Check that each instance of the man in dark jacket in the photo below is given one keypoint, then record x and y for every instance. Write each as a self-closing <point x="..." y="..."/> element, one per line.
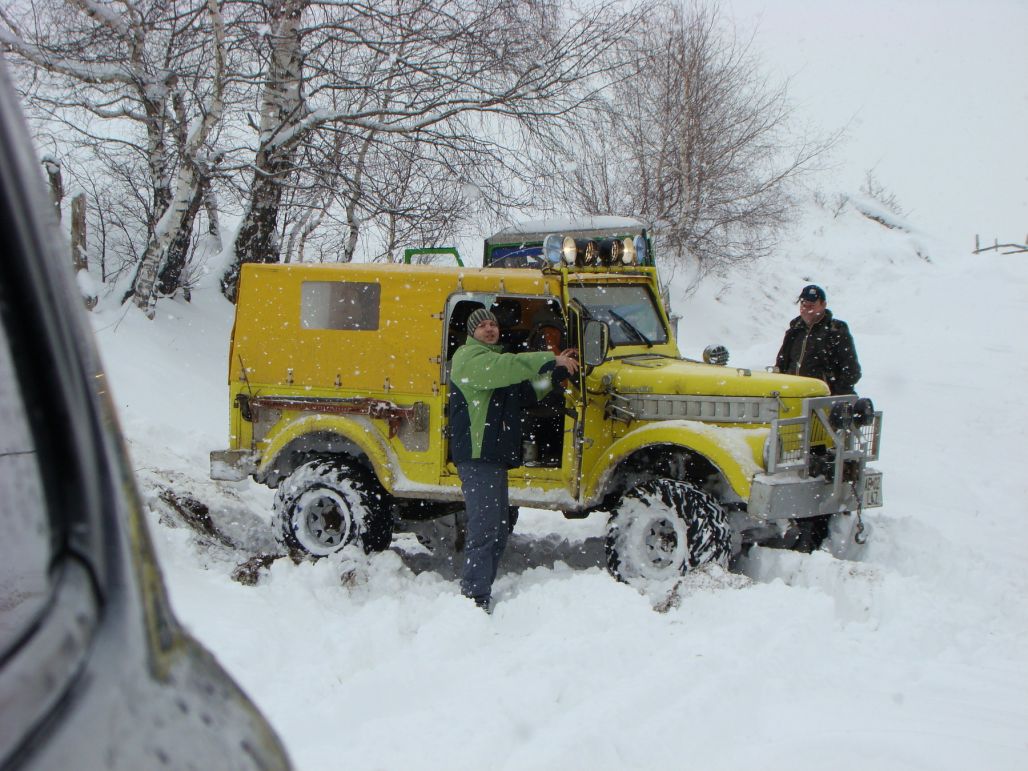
<point x="818" y="345"/>
<point x="488" y="389"/>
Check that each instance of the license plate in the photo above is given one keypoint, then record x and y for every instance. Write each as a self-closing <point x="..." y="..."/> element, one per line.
<point x="872" y="489"/>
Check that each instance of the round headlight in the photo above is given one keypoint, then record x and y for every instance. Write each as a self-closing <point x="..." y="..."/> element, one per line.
<point x="627" y="251"/>
<point x="591" y="253"/>
<point x="552" y="248"/>
<point x="841" y="416"/>
<point x="641" y="251"/>
<point x="863" y="412"/>
<point x="568" y="250"/>
<point x="610" y="251"/>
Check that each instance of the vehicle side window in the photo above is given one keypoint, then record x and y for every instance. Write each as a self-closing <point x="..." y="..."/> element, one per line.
<point x="346" y="305"/>
<point x="26" y="545"/>
<point x="457" y="331"/>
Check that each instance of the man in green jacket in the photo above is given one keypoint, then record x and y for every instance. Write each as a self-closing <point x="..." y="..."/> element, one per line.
<point x="488" y="389"/>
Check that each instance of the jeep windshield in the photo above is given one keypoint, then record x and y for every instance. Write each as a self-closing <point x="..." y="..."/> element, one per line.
<point x="629" y="311"/>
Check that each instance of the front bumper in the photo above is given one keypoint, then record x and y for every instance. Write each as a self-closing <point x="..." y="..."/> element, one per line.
<point x="790" y="496"/>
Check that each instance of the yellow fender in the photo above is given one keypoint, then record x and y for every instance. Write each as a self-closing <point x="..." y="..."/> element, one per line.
<point x="359" y="430"/>
<point x="735" y="452"/>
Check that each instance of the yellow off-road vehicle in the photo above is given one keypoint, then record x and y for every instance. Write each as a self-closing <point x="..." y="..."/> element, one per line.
<point x="339" y="377"/>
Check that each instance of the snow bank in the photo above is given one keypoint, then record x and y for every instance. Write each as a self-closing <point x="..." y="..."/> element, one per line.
<point x="913" y="658"/>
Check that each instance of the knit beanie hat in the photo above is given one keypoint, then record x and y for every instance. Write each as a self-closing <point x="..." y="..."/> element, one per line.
<point x="477" y="317"/>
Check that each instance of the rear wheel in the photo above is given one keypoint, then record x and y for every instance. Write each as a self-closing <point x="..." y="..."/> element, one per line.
<point x="664" y="528"/>
<point x="326" y="504"/>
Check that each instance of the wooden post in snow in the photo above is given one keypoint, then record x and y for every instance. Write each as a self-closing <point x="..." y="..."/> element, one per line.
<point x="79" y="256"/>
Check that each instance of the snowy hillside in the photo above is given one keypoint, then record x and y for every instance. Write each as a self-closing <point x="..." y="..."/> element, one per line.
<point x="914" y="658"/>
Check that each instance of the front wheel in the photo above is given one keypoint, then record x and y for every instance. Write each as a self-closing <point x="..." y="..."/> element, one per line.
<point x="664" y="528"/>
<point x="326" y="504"/>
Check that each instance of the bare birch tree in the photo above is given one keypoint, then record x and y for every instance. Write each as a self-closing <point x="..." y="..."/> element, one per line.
<point x="174" y="227"/>
<point x="375" y="125"/>
<point x="697" y="142"/>
<point x="409" y="74"/>
<point x="129" y="80"/>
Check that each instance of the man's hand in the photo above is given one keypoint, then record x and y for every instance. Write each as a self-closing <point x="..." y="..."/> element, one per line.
<point x="567" y="359"/>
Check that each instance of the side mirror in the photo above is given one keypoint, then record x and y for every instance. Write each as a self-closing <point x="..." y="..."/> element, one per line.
<point x="595" y="343"/>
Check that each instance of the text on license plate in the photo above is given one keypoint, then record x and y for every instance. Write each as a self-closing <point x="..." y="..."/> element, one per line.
<point x="872" y="489"/>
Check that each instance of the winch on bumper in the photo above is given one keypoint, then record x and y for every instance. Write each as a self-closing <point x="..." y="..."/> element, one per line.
<point x="817" y="463"/>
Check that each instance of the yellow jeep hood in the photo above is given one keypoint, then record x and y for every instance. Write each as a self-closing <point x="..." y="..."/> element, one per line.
<point x="645" y="374"/>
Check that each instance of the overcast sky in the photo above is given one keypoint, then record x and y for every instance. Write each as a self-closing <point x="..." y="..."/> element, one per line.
<point x="935" y="94"/>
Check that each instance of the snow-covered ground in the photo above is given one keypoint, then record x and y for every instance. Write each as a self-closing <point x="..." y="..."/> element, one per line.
<point x="913" y="658"/>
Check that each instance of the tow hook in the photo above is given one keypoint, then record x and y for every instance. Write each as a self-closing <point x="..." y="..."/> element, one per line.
<point x="858" y="532"/>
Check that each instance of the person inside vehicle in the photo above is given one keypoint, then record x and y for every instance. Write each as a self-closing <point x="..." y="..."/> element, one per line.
<point x="818" y="345"/>
<point x="489" y="390"/>
<point x="544" y="422"/>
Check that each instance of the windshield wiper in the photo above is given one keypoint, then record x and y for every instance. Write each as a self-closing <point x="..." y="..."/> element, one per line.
<point x="639" y="335"/>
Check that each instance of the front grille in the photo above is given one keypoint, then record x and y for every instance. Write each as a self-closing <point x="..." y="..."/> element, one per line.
<point x="709" y="409"/>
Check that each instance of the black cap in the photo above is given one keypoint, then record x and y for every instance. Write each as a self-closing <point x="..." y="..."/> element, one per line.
<point x="812" y="293"/>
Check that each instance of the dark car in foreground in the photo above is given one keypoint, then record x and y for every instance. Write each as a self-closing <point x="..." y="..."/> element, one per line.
<point x="95" y="672"/>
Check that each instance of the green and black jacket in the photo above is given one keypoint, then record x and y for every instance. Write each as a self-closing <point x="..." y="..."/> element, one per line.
<point x="488" y="389"/>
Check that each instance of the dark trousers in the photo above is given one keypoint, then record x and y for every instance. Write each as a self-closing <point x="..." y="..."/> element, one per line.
<point x="487" y="503"/>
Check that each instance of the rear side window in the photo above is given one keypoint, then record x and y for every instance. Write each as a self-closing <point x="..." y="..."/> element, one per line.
<point x="26" y="544"/>
<point x="340" y="305"/>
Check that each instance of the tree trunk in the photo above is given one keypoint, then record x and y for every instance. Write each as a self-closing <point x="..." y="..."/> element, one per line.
<point x="177" y="222"/>
<point x="171" y="229"/>
<point x="170" y="277"/>
<point x="210" y="205"/>
<point x="257" y="239"/>
<point x="79" y="260"/>
<point x="281" y="107"/>
<point x="53" y="174"/>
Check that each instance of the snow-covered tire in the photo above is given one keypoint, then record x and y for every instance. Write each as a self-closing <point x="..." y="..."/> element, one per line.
<point x="326" y="504"/>
<point x="664" y="528"/>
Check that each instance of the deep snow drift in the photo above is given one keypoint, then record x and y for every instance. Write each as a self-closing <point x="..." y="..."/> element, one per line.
<point x="913" y="658"/>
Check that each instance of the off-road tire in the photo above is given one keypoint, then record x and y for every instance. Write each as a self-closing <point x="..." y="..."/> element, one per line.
<point x="664" y="528"/>
<point x="326" y="504"/>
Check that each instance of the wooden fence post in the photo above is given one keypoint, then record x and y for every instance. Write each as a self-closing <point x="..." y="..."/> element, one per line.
<point x="79" y="256"/>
